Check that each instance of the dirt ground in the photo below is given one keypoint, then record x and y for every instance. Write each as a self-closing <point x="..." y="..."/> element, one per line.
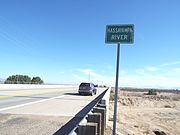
<point x="142" y="114"/>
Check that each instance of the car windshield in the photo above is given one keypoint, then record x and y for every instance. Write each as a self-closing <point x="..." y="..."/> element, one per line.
<point x="85" y="85"/>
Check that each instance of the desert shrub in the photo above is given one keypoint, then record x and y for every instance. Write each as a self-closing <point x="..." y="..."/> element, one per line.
<point x="167" y="106"/>
<point x="152" y="92"/>
<point x="112" y="94"/>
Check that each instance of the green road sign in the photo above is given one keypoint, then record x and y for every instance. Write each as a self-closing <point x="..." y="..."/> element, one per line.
<point x="123" y="34"/>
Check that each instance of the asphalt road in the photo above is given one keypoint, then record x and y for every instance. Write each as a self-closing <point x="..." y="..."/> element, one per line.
<point x="58" y="101"/>
<point x="11" y="97"/>
<point x="39" y="111"/>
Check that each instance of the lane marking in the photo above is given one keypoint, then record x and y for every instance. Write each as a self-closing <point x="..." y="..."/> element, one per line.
<point x="30" y="94"/>
<point x="30" y="103"/>
<point x="3" y="97"/>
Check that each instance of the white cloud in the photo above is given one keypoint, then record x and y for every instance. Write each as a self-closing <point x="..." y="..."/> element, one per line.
<point x="170" y="63"/>
<point x="152" y="68"/>
<point x="140" y="71"/>
<point x="78" y="78"/>
<point x="61" y="72"/>
<point x="166" y="77"/>
<point x="148" y="80"/>
<point x="91" y="73"/>
<point x="95" y="77"/>
<point x="123" y="72"/>
<point x="177" y="70"/>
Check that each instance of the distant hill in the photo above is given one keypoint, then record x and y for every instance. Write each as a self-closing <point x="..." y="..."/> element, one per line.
<point x="2" y="80"/>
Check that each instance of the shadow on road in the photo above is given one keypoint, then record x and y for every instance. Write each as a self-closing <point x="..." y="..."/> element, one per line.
<point x="38" y="97"/>
<point x="72" y="94"/>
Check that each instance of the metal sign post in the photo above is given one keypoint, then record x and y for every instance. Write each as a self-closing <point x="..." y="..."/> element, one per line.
<point x="116" y="89"/>
<point x="123" y="34"/>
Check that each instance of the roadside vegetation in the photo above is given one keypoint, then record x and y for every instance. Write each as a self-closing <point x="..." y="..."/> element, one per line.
<point x="152" y="92"/>
<point x="23" y="79"/>
<point x="145" y="111"/>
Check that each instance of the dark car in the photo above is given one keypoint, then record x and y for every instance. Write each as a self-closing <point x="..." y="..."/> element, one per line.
<point x="87" y="88"/>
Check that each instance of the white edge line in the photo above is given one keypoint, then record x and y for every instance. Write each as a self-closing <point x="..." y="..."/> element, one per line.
<point x="30" y="103"/>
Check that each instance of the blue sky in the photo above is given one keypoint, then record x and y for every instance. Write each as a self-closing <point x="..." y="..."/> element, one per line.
<point x="63" y="41"/>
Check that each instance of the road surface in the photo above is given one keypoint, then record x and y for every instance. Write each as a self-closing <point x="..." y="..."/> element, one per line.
<point x="39" y="111"/>
<point x="13" y="97"/>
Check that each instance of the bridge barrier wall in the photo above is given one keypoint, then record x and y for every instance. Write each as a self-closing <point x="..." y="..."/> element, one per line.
<point x="102" y="108"/>
<point x="95" y="112"/>
<point x="105" y="101"/>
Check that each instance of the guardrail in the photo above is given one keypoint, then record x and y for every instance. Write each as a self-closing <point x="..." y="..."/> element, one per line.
<point x="73" y="127"/>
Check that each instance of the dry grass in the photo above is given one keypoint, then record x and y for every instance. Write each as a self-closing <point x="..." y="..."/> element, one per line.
<point x="141" y="114"/>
